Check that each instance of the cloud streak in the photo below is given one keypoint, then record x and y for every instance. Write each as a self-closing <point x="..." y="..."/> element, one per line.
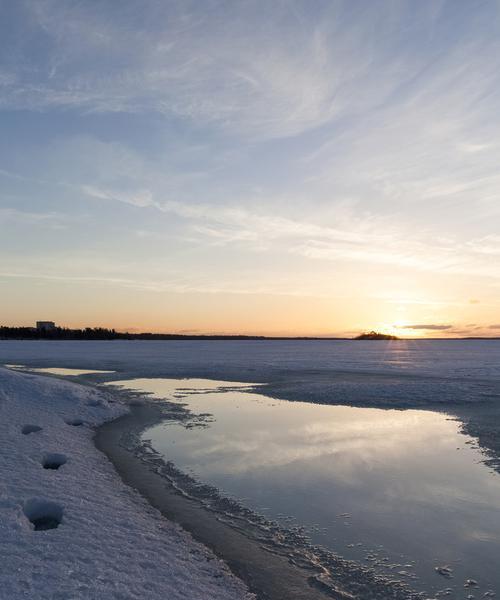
<point x="326" y="149"/>
<point x="427" y="327"/>
<point x="270" y="69"/>
<point x="370" y="240"/>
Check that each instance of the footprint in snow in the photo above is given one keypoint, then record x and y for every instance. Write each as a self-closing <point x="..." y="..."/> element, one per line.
<point x="54" y="461"/>
<point x="27" y="429"/>
<point x="43" y="514"/>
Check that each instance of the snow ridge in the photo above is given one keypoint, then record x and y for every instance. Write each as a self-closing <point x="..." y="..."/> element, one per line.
<point x="72" y="529"/>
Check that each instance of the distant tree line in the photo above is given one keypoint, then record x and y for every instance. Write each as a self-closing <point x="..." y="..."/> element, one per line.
<point x="60" y="333"/>
<point x="101" y="333"/>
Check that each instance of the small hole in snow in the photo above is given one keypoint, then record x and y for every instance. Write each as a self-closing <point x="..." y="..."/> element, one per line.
<point x="136" y="402"/>
<point x="43" y="514"/>
<point x="30" y="429"/>
<point x="75" y="422"/>
<point x="53" y="461"/>
<point x="94" y="403"/>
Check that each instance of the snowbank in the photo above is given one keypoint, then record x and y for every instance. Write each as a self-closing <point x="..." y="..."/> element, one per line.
<point x="69" y="527"/>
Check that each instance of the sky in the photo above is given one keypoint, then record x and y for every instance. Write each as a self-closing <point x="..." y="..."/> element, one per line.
<point x="283" y="168"/>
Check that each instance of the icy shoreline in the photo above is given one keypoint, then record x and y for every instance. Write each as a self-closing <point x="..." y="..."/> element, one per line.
<point x="69" y="527"/>
<point x="461" y="379"/>
<point x="276" y="563"/>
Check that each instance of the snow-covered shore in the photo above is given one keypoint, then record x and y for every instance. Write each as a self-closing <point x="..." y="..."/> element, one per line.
<point x="109" y="543"/>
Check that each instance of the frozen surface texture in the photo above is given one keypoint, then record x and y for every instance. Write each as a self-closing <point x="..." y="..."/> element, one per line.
<point x="77" y="531"/>
<point x="402" y="373"/>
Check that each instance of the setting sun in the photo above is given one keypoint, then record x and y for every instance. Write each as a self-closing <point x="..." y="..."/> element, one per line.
<point x="250" y="299"/>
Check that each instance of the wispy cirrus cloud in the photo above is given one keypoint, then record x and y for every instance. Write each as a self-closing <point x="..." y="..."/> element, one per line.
<point x="171" y="284"/>
<point x="488" y="245"/>
<point x="371" y="239"/>
<point x="268" y="70"/>
<point x="197" y="64"/>
<point x="310" y="148"/>
<point x="427" y="327"/>
<point x="52" y="220"/>
<point x="139" y="198"/>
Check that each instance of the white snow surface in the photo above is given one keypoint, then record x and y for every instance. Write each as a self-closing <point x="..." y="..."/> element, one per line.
<point x="404" y="373"/>
<point x="110" y="544"/>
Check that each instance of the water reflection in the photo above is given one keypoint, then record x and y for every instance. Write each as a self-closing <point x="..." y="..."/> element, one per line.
<point x="59" y="371"/>
<point x="404" y="490"/>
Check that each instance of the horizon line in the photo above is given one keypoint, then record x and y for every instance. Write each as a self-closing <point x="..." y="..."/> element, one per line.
<point x="156" y="336"/>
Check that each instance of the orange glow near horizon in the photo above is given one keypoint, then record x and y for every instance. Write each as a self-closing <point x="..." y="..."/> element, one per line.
<point x="343" y="178"/>
<point x="247" y="315"/>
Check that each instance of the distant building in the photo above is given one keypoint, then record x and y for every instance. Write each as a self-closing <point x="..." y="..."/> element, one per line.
<point x="45" y="325"/>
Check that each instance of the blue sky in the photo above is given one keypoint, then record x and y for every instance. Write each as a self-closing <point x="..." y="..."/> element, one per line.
<point x="277" y="167"/>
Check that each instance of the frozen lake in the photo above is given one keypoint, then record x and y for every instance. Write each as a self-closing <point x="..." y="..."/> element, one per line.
<point x="462" y="359"/>
<point x="394" y="373"/>
<point x="403" y="491"/>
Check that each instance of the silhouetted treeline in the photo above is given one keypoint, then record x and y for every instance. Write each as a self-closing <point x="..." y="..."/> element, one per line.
<point x="60" y="333"/>
<point x="101" y="333"/>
